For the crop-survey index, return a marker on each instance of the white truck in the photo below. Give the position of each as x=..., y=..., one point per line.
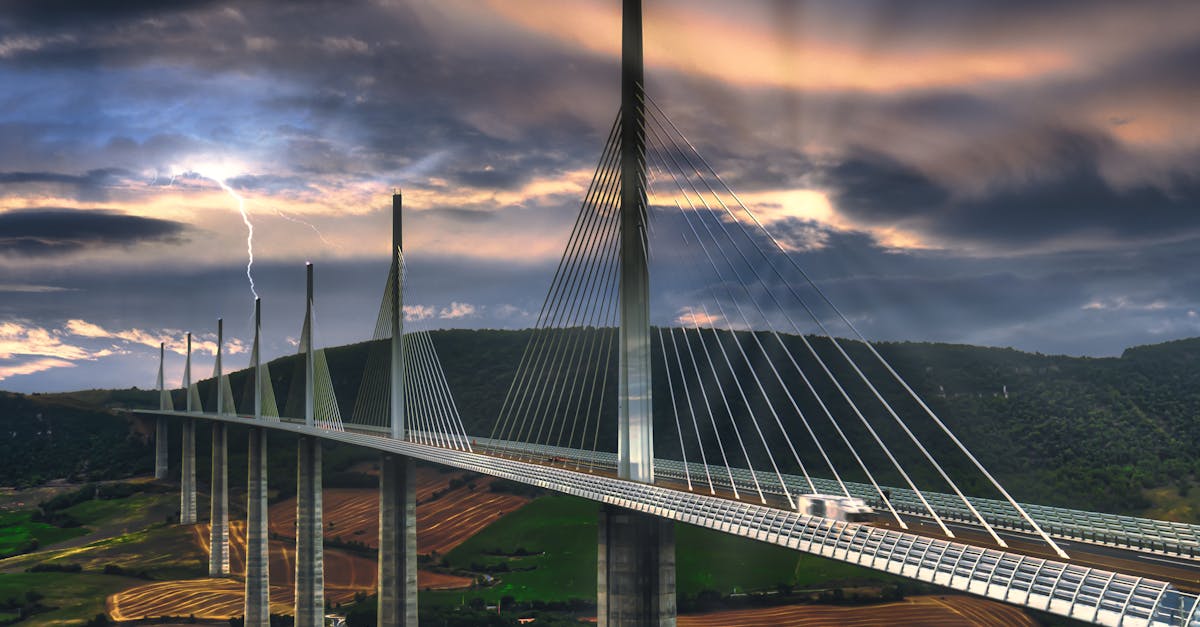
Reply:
x=843, y=508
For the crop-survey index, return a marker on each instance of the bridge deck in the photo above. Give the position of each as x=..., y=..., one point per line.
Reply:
x=1089, y=594
x=1160, y=537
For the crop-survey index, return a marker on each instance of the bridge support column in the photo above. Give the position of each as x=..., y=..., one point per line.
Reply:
x=258, y=600
x=218, y=546
x=187, y=481
x=160, y=449
x=636, y=569
x=397, y=542
x=310, y=561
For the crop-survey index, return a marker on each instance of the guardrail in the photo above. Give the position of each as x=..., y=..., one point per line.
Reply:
x=1127, y=532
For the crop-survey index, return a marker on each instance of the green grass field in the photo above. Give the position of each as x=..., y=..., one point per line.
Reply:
x=161, y=551
x=77, y=597
x=17, y=530
x=564, y=529
x=711, y=560
x=140, y=541
x=117, y=511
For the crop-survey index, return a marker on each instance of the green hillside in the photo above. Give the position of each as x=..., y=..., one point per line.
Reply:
x=1113, y=434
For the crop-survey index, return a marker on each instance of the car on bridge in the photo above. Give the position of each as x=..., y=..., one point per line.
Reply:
x=843, y=508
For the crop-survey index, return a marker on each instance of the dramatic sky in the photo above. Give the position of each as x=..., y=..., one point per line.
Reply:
x=1005, y=173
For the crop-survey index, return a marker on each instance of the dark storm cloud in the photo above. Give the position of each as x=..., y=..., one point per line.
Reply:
x=377, y=78
x=92, y=178
x=879, y=188
x=1040, y=302
x=507, y=178
x=318, y=96
x=58, y=13
x=268, y=183
x=1059, y=159
x=52, y=231
x=91, y=185
x=1075, y=202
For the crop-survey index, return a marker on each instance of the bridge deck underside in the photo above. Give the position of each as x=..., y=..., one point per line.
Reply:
x=1088, y=594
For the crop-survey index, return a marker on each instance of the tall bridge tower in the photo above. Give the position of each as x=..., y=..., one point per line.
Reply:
x=397, y=567
x=636, y=566
x=635, y=431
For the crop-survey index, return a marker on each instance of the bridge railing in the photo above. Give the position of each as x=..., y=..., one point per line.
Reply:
x=1142, y=534
x=1088, y=594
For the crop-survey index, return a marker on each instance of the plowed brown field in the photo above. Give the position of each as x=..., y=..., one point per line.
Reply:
x=442, y=524
x=928, y=611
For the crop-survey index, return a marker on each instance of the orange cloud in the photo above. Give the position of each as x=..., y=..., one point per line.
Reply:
x=689, y=317
x=348, y=218
x=175, y=341
x=457, y=310
x=678, y=38
x=19, y=339
x=30, y=367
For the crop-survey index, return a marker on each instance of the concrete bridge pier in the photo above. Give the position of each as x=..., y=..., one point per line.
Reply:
x=636, y=569
x=218, y=553
x=160, y=448
x=397, y=542
x=187, y=481
x=258, y=579
x=187, y=458
x=160, y=425
x=310, y=561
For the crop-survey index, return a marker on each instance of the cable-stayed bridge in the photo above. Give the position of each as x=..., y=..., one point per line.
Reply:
x=724, y=397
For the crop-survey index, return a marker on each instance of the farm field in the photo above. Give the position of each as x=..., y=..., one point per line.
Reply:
x=928, y=611
x=559, y=531
x=18, y=532
x=711, y=560
x=557, y=534
x=75, y=596
x=98, y=519
x=161, y=552
x=119, y=533
x=442, y=523
x=351, y=514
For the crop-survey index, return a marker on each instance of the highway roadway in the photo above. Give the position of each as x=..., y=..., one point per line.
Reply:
x=1182, y=572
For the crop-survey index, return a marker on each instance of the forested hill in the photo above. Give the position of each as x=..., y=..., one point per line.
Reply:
x=1112, y=434
x=1073, y=431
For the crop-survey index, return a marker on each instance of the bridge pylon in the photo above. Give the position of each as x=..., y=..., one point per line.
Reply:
x=160, y=424
x=218, y=546
x=310, y=560
x=187, y=480
x=397, y=577
x=258, y=564
x=396, y=398
x=636, y=551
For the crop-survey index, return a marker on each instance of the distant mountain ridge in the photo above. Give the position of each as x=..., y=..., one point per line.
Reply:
x=1097, y=433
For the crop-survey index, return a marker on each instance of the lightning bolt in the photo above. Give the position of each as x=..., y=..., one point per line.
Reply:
x=249, y=231
x=309, y=225
x=218, y=174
